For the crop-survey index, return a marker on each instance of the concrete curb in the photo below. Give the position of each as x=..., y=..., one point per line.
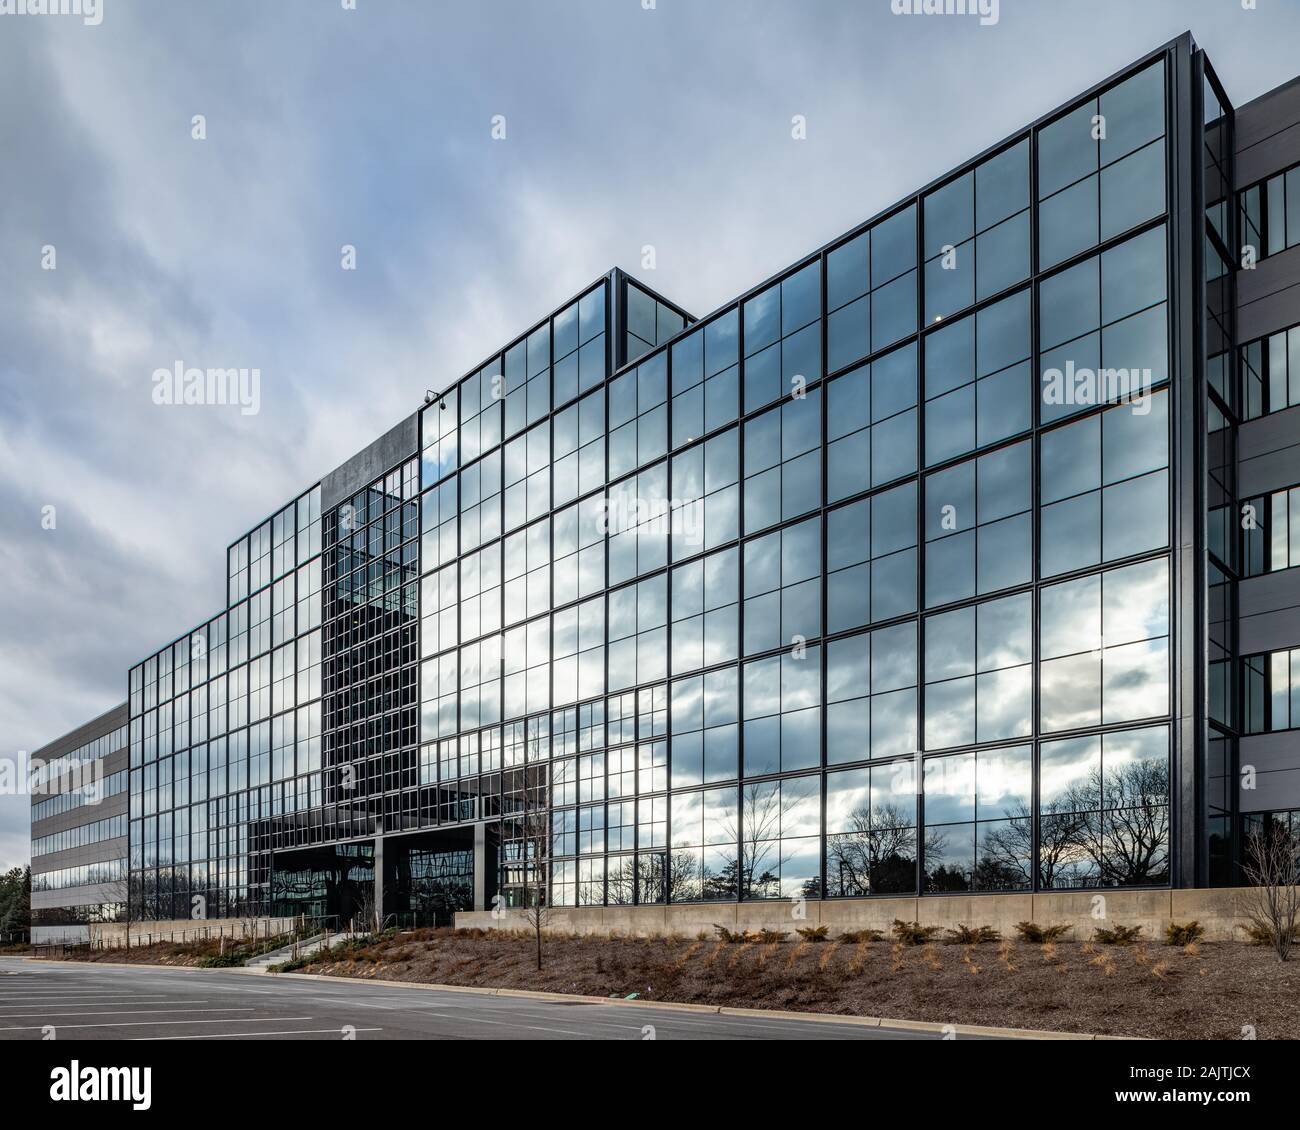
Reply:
x=668, y=1006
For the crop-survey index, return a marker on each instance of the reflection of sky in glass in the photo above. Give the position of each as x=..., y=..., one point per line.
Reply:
x=1105, y=647
x=993, y=639
x=1063, y=764
x=984, y=785
x=1076, y=762
x=847, y=793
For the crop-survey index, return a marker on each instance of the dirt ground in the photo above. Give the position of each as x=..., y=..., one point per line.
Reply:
x=1205, y=991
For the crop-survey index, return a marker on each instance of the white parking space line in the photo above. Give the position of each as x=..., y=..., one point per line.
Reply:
x=119, y=1012
x=38, y=1004
x=53, y=994
x=354, y=1003
x=262, y=1035
x=77, y=1002
x=77, y=998
x=165, y=1023
x=502, y=1023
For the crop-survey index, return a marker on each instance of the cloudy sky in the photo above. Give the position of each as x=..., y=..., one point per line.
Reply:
x=372, y=127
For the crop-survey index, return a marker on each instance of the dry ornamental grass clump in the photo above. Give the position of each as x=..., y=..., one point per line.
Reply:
x=740, y=953
x=1105, y=963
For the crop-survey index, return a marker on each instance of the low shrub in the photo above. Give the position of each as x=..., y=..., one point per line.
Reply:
x=222, y=960
x=963, y=935
x=744, y=937
x=767, y=937
x=1183, y=933
x=912, y=933
x=1117, y=936
x=813, y=933
x=856, y=937
x=1041, y=935
x=1261, y=933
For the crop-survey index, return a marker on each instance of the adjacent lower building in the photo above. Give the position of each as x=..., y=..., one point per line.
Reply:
x=79, y=830
x=960, y=557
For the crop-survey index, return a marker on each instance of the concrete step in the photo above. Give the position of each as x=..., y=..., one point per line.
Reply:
x=304, y=948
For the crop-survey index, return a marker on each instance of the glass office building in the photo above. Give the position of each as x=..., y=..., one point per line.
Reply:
x=915, y=569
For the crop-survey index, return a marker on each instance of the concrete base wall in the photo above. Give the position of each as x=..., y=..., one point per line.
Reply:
x=112, y=935
x=73, y=935
x=1218, y=910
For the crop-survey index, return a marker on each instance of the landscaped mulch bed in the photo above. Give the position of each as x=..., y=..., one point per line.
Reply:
x=1205, y=991
x=157, y=953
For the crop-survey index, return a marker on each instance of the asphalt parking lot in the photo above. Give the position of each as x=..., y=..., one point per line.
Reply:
x=67, y=1001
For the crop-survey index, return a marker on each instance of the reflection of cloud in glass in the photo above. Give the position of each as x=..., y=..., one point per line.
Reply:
x=1004, y=781
x=1135, y=603
x=1119, y=674
x=1004, y=704
x=1135, y=681
x=1062, y=764
x=950, y=789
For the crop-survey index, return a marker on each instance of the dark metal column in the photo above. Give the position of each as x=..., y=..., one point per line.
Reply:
x=1188, y=612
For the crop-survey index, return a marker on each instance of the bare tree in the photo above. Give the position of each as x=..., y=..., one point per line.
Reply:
x=367, y=910
x=535, y=847
x=1273, y=898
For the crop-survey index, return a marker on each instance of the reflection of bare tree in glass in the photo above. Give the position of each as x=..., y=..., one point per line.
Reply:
x=1005, y=854
x=684, y=869
x=115, y=908
x=1126, y=843
x=1061, y=861
x=527, y=827
x=1135, y=827
x=652, y=885
x=878, y=854
x=756, y=872
x=621, y=880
